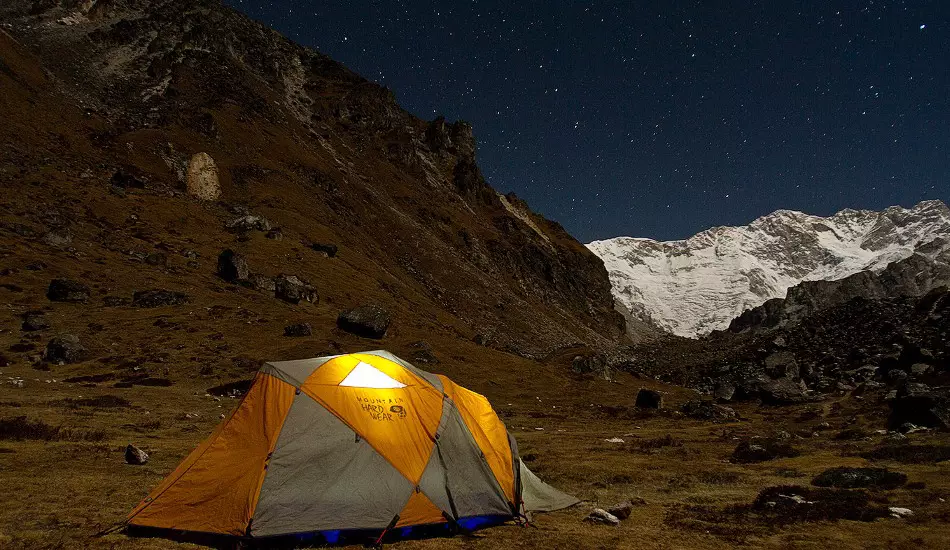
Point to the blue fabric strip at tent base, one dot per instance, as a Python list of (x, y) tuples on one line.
[(358, 536)]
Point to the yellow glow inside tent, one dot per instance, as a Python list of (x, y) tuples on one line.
[(368, 376)]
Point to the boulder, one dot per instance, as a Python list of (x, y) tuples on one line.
[(135, 456), (261, 282), (67, 290), (599, 515), (921, 405), (623, 509), (157, 258), (783, 391), (275, 234), (35, 320), (370, 321), (782, 365), (298, 329), (158, 298), (328, 249), (232, 267), (126, 178), (64, 349), (648, 399), (202, 179), (292, 289), (707, 410)]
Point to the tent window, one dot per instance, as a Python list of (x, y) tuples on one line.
[(367, 376)]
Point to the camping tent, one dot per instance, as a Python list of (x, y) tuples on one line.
[(363, 442)]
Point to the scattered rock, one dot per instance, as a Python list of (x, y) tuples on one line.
[(64, 349), (202, 179), (299, 329), (275, 234), (249, 222), (35, 320), (369, 321), (782, 365), (599, 515), (622, 510), (59, 238), (115, 301), (328, 249), (232, 267), (292, 289), (158, 298), (852, 478), (707, 410), (135, 456), (648, 399), (67, 290)]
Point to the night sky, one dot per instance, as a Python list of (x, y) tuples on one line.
[(661, 119)]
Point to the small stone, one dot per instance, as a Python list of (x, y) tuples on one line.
[(599, 515), (135, 456), (622, 510), (898, 512)]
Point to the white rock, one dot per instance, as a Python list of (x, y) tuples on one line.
[(900, 512), (202, 181), (599, 515), (615, 440)]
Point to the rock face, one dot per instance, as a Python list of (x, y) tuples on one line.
[(64, 349), (202, 180), (700, 284), (135, 456), (67, 290), (367, 321)]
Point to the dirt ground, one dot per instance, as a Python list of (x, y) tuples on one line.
[(61, 492)]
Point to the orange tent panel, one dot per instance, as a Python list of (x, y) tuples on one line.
[(419, 511), (216, 488)]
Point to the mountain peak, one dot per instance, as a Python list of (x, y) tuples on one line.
[(694, 286)]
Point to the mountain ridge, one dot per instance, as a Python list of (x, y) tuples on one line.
[(693, 286)]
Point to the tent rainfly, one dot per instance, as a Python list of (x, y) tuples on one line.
[(363, 445)]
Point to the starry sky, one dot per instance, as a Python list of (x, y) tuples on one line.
[(661, 119)]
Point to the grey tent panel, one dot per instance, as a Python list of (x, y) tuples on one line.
[(322, 476), (295, 372), (538, 496), (427, 376), (458, 472)]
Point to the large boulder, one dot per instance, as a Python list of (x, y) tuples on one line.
[(202, 180), (67, 290), (648, 399), (369, 321), (158, 298), (64, 349), (921, 405), (232, 267)]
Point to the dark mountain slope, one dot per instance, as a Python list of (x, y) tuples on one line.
[(95, 91)]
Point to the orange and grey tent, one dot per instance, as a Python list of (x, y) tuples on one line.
[(358, 443)]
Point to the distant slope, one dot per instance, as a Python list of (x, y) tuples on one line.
[(698, 285)]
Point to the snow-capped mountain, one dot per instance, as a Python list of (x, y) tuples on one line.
[(694, 286)]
